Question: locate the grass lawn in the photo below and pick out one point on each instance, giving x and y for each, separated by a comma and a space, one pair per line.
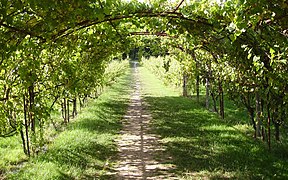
204, 146
201, 145
85, 150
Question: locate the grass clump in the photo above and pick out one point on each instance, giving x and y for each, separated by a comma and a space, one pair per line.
11, 153
85, 150
204, 146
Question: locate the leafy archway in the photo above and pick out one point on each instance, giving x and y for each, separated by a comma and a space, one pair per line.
52, 51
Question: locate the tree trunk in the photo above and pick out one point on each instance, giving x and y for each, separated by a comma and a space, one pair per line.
221, 99
258, 115
251, 115
23, 141
197, 76
263, 133
85, 100
214, 102
268, 121
185, 79
31, 108
26, 127
250, 109
277, 131
74, 113
80, 103
207, 93
31, 115
65, 111
197, 89
68, 111
276, 121
62, 110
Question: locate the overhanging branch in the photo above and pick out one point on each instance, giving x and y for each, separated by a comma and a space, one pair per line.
149, 33
21, 31
178, 6
109, 18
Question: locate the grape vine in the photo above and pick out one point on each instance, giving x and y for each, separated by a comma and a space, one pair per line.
55, 52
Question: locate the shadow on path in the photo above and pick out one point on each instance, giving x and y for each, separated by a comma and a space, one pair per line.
137, 145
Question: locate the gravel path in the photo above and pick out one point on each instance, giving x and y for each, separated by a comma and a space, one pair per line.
137, 145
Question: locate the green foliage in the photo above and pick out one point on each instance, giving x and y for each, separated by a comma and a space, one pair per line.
165, 68
11, 147
86, 148
53, 51
114, 69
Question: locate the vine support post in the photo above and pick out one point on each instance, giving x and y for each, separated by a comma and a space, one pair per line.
251, 110
207, 85
68, 109
74, 113
214, 99
80, 103
198, 88
197, 76
31, 117
31, 108
221, 99
277, 131
258, 114
64, 111
27, 151
23, 140
185, 88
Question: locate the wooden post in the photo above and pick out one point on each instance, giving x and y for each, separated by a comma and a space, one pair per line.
221, 99
185, 79
258, 114
26, 126
207, 85
68, 113
74, 113
65, 111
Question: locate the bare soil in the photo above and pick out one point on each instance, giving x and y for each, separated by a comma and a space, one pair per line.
138, 147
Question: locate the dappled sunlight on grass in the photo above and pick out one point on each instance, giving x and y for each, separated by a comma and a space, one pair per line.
86, 149
11, 152
211, 144
203, 145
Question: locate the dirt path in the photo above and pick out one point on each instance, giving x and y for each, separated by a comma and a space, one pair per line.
137, 146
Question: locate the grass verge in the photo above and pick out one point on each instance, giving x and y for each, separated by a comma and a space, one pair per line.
204, 146
85, 150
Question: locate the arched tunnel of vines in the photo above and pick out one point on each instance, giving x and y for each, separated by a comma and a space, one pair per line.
150, 89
